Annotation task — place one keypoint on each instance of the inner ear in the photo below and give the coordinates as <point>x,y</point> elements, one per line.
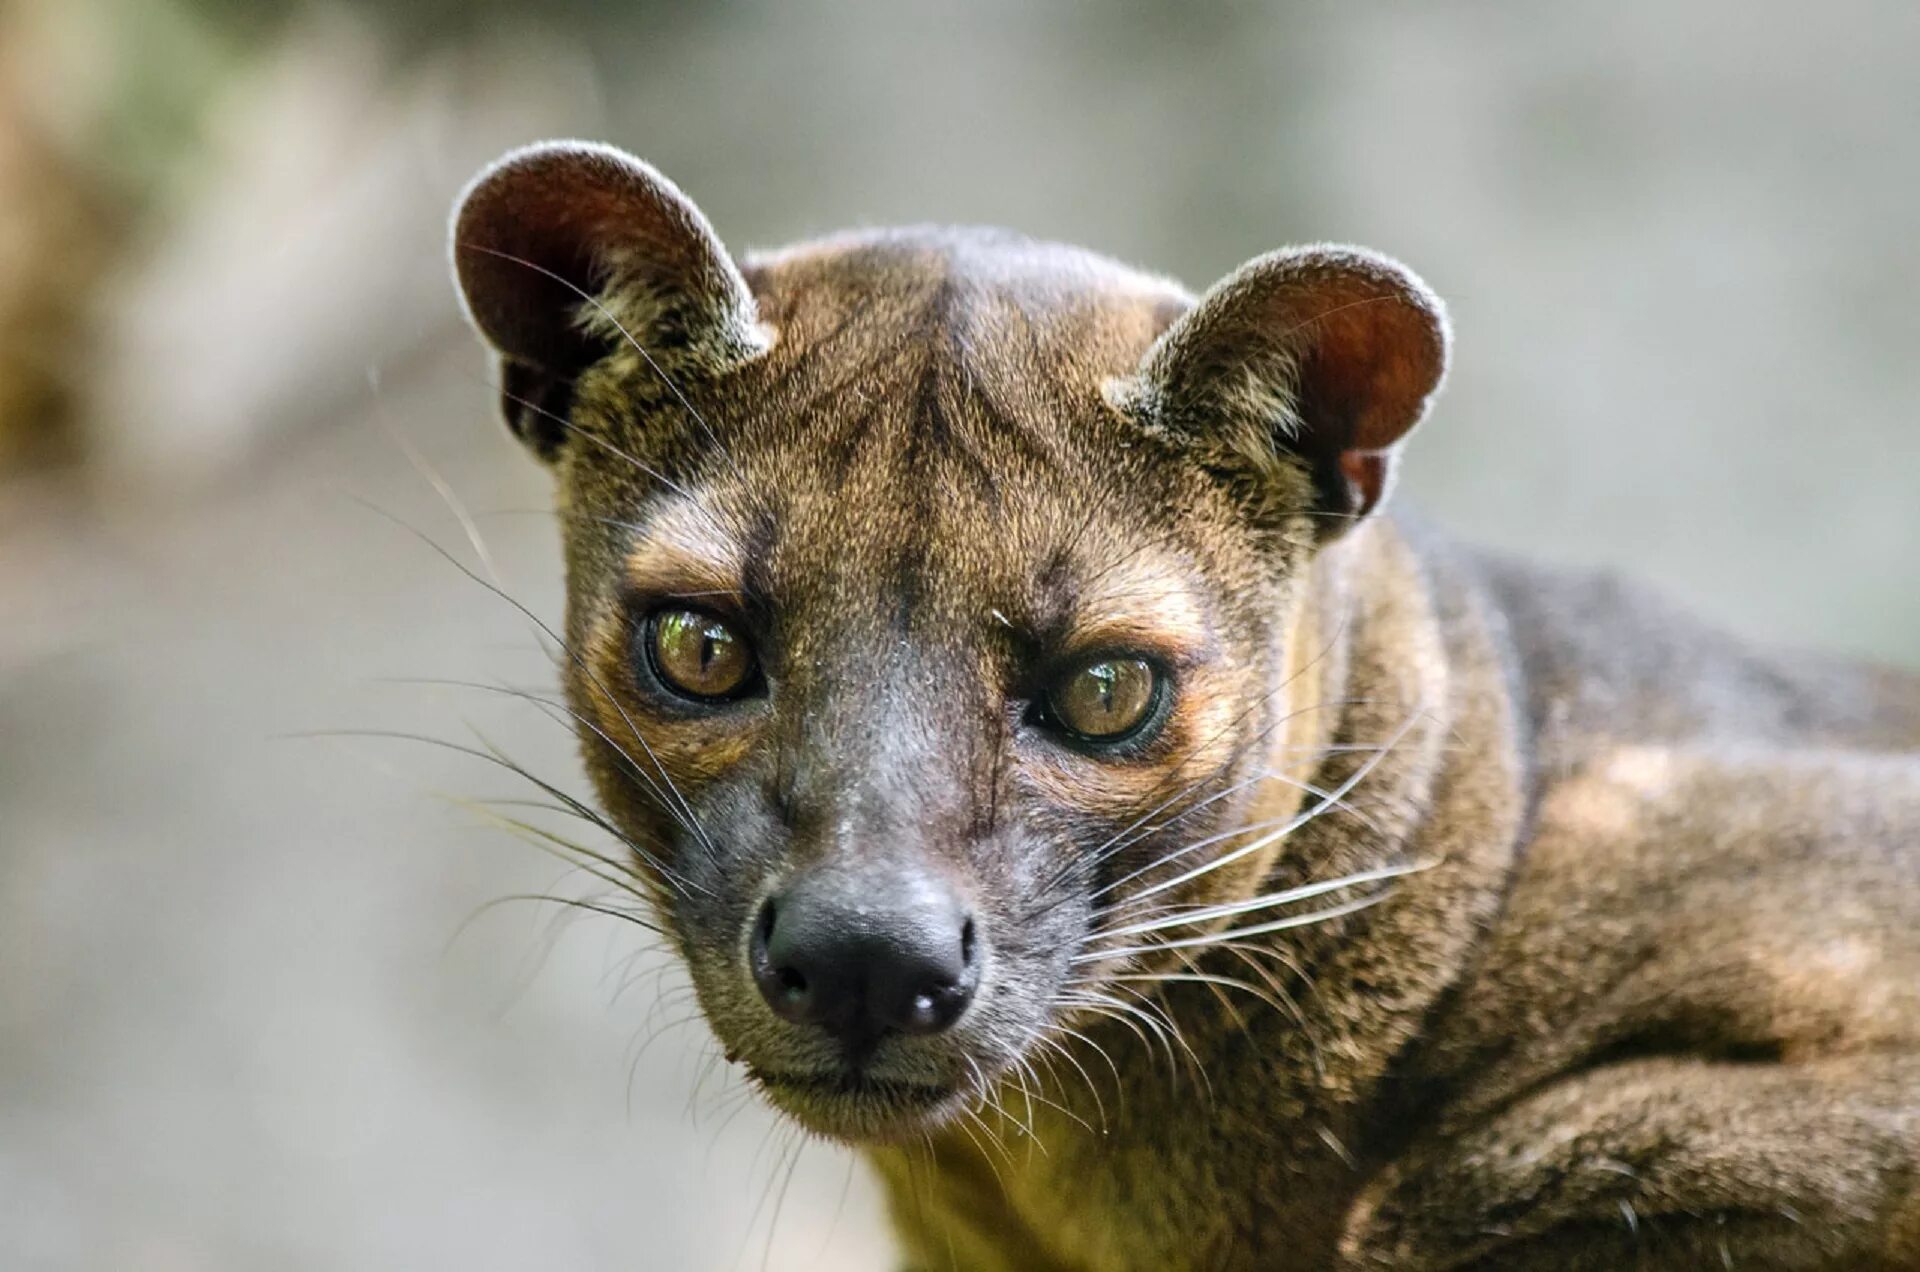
<point>565,250</point>
<point>1324,355</point>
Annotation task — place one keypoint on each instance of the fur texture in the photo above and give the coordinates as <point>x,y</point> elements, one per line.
<point>1457,915</point>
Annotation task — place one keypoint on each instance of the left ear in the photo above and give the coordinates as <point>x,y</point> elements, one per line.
<point>1322,358</point>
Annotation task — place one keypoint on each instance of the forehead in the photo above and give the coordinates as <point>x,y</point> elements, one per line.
<point>1010,302</point>
<point>933,408</point>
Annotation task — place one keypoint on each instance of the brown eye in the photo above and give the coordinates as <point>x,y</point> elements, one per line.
<point>1106,701</point>
<point>698,655</point>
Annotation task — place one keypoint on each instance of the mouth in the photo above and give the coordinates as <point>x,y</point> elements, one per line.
<point>858,1107</point>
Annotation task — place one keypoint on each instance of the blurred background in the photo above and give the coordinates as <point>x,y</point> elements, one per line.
<point>255,1012</point>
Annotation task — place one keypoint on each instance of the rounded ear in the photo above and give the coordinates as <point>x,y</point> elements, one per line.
<point>565,250</point>
<point>1323,357</point>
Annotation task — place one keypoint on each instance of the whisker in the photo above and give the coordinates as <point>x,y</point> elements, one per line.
<point>1097,854</point>
<point>579,662</point>
<point>567,851</point>
<point>645,855</point>
<point>1203,978</point>
<point>1161,1010</point>
<point>444,489</point>
<point>1245,953</point>
<point>650,787</point>
<point>780,1201</point>
<point>1326,798</point>
<point>1054,1047</point>
<point>1021,1072</point>
<point>1123,841</point>
<point>1107,1008</point>
<point>1251,954</point>
<point>579,808</point>
<point>478,542</point>
<point>985,1156</point>
<point>786,1133</point>
<point>1087,862</point>
<point>1146,1026</point>
<point>1339,792</point>
<point>1048,1049</point>
<point>572,903</point>
<point>1266,901</point>
<point>632,977</point>
<point>1092,1087</point>
<point>1258,929</point>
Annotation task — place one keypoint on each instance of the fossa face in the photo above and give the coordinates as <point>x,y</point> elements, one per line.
<point>934,617</point>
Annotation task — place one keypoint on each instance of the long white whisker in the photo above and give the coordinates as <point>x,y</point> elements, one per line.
<point>1051,1047</point>
<point>1327,798</point>
<point>549,708</point>
<point>1294,823</point>
<point>1258,929</point>
<point>1266,901</point>
<point>1202,978</point>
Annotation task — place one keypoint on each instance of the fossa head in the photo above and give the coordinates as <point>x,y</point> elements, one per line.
<point>933,599</point>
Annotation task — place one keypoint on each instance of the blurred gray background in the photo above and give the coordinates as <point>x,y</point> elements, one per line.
<point>253,1014</point>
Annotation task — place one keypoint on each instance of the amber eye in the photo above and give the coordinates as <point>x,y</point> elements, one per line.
<point>698,655</point>
<point>1105,701</point>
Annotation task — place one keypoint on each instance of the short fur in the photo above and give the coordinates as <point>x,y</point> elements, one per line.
<point>1597,939</point>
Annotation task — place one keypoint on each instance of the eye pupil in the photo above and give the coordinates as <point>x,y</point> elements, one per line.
<point>1107,676</point>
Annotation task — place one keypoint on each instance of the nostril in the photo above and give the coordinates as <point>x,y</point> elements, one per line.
<point>780,968</point>
<point>966,942</point>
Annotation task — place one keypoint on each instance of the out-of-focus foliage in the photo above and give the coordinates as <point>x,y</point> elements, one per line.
<point>412,25</point>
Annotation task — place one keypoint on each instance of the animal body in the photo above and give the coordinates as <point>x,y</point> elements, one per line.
<point>1063,781</point>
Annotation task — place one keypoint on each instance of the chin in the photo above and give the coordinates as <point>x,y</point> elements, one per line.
<point>859,1110</point>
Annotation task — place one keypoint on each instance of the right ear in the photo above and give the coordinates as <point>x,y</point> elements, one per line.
<point>564,251</point>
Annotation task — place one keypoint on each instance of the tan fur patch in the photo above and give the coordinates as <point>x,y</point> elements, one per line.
<point>683,553</point>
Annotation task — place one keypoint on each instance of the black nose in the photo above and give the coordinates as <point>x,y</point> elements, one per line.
<point>862,960</point>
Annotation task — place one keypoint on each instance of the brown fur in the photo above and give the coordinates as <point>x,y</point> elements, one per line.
<point>1646,990</point>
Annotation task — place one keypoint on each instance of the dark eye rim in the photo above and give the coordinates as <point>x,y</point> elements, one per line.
<point>1144,731</point>
<point>752,685</point>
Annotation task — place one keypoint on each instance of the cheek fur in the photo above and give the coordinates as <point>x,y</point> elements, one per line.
<point>691,751</point>
<point>1201,737</point>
